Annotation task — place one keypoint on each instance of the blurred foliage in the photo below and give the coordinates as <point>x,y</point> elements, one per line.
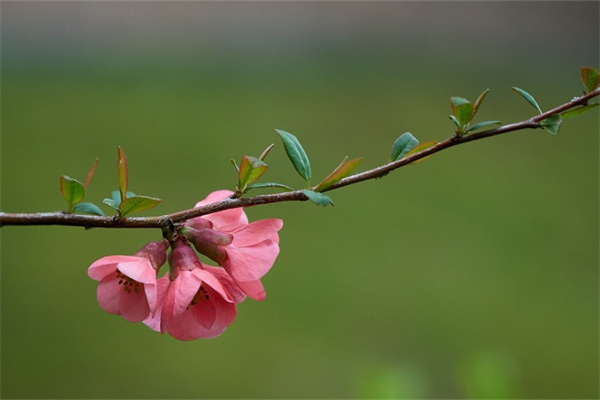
<point>472,274</point>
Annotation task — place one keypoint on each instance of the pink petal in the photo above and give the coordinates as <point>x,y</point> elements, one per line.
<point>252,262</point>
<point>227,220</point>
<point>226,313</point>
<point>228,284</point>
<point>211,281</point>
<point>182,290</point>
<point>258,231</point>
<point>254,289</point>
<point>153,320</point>
<point>106,265</point>
<point>133,306</point>
<point>108,294</point>
<point>139,270</point>
<point>194,323</point>
<point>206,319</point>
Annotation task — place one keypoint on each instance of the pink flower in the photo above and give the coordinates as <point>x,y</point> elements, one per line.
<point>194,300</point>
<point>247,251</point>
<point>128,283</point>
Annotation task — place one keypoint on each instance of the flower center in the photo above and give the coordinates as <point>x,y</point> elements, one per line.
<point>200,295</point>
<point>129,285</point>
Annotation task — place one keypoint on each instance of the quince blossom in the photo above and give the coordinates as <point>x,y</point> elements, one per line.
<point>245,250</point>
<point>128,283</point>
<point>194,300</point>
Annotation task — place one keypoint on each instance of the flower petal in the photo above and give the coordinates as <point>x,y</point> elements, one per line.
<point>252,262</point>
<point>254,289</point>
<point>134,306</point>
<point>228,284</point>
<point>153,321</point>
<point>108,294</point>
<point>139,270</point>
<point>106,265</point>
<point>258,231</point>
<point>227,220</point>
<point>182,291</point>
<point>212,281</point>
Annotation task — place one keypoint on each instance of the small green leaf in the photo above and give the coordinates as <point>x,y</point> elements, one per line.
<point>72,190</point>
<point>90,174</point>
<point>268,185</point>
<point>552,123</point>
<point>115,199</point>
<point>111,203</point>
<point>115,195</point>
<point>478,102</point>
<point>453,119</point>
<point>579,110</point>
<point>527,97</point>
<point>137,204</point>
<point>319,199</point>
<point>483,124</point>
<point>462,110</point>
<point>341,171</point>
<point>420,148</point>
<point>296,154</point>
<point>237,168</point>
<point>88,208</point>
<point>266,151</point>
<point>405,143</point>
<point>251,168</point>
<point>122,172</point>
<point>590,78</point>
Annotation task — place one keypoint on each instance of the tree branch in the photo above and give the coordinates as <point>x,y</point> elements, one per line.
<point>90,221</point>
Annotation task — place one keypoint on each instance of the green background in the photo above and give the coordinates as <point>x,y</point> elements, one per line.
<point>473,274</point>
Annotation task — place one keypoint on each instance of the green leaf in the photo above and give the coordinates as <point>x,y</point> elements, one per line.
<point>590,78</point>
<point>137,204</point>
<point>483,124</point>
<point>341,171</point>
<point>453,119</point>
<point>266,151</point>
<point>405,143</point>
<point>237,168</point>
<point>296,154</point>
<point>90,174</point>
<point>112,203</point>
<point>88,208</point>
<point>319,199</point>
<point>122,172</point>
<point>579,110</point>
<point>115,199</point>
<point>268,185</point>
<point>527,97</point>
<point>420,148</point>
<point>552,123</point>
<point>251,168</point>
<point>478,102</point>
<point>462,110</point>
<point>72,190</point>
<point>116,195</point>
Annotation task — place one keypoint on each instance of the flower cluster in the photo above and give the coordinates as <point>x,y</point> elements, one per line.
<point>192,300</point>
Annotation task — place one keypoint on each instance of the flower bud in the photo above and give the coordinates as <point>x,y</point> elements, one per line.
<point>156,252</point>
<point>208,242</point>
<point>182,257</point>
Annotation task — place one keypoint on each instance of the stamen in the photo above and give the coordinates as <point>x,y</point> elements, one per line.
<point>128,284</point>
<point>200,295</point>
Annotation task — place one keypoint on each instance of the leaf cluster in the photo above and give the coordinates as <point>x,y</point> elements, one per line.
<point>123,201</point>
<point>464,112</point>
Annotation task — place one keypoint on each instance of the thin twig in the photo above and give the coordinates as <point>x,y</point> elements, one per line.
<point>90,221</point>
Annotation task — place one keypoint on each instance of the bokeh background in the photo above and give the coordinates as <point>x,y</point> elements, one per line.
<point>473,274</point>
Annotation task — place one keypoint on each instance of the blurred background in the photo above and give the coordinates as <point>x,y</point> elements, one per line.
<point>473,274</point>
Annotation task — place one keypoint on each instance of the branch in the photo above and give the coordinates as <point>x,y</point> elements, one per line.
<point>90,221</point>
